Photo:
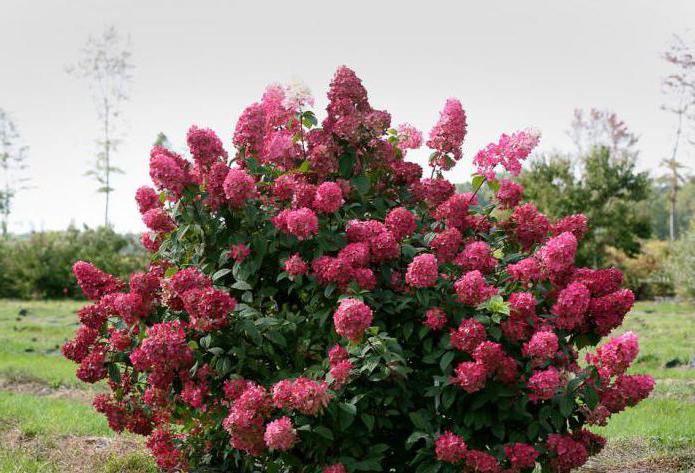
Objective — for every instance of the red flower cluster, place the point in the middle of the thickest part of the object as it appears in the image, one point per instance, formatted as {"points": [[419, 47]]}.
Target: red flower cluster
{"points": [[453, 326]]}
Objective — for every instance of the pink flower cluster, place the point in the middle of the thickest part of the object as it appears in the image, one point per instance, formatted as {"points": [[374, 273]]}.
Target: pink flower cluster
{"points": [[509, 151], [352, 318], [448, 134]]}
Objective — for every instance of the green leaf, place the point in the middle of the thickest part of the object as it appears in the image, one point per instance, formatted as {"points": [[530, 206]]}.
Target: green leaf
{"points": [[324, 432], [242, 286], [368, 421], [446, 360], [361, 183], [477, 181], [346, 414], [221, 273]]}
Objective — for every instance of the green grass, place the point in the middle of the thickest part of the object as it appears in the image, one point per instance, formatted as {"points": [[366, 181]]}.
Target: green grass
{"points": [[654, 418], [41, 415], [661, 427], [30, 343], [131, 463], [13, 461]]}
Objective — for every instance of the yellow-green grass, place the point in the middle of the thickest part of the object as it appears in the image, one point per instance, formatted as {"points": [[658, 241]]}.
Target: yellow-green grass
{"points": [[31, 334], [14, 461], [43, 415], [29, 351]]}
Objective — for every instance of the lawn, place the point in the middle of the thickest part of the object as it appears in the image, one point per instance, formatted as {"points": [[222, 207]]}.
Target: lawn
{"points": [[48, 425]]}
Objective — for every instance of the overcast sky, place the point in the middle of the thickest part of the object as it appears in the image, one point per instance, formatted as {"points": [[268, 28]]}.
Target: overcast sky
{"points": [[513, 64]]}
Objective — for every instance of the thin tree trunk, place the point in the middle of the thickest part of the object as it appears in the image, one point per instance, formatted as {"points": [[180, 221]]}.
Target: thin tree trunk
{"points": [[107, 146], [674, 184], [672, 225]]}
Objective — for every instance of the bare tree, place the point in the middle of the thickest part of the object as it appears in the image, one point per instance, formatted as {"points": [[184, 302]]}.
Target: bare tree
{"points": [[105, 65], [679, 89], [673, 180], [601, 128], [13, 156]]}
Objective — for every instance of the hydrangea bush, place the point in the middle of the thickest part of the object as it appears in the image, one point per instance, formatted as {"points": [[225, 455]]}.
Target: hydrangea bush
{"points": [[315, 305]]}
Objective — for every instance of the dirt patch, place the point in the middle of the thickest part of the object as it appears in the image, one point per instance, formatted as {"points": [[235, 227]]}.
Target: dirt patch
{"points": [[640, 456], [73, 454], [38, 388]]}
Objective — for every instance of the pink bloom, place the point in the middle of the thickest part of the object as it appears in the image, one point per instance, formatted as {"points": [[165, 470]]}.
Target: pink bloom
{"points": [[165, 452], [531, 226], [409, 137], [158, 220], [508, 152], [510, 193], [526, 270], [384, 247], [446, 244], [558, 253], [521, 455], [617, 354], [476, 256], [472, 289], [542, 346], [575, 224], [302, 223], [337, 468], [147, 199], [356, 254], [364, 230], [600, 282], [340, 372], [543, 384], [205, 146], [435, 318], [571, 306], [215, 185], [280, 434], [607, 312], [352, 318], [283, 187], [337, 354], [168, 170], [239, 252], [78, 348], [569, 454], [239, 187], [471, 376], [406, 172], [304, 395], [489, 354], [481, 462], [329, 198], [450, 448], [295, 265], [433, 191], [401, 222], [164, 351], [468, 335], [454, 210], [150, 241], [208, 308], [364, 277], [422, 271], [94, 282], [448, 134], [280, 149], [250, 129]]}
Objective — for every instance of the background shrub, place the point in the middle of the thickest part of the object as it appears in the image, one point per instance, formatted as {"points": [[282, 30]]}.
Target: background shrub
{"points": [[38, 265]]}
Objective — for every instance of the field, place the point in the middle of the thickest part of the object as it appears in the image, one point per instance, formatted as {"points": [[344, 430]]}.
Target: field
{"points": [[48, 425]]}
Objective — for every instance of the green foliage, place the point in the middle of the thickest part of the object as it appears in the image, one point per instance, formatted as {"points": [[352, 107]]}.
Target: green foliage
{"points": [[605, 187], [39, 265], [681, 264], [645, 273]]}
